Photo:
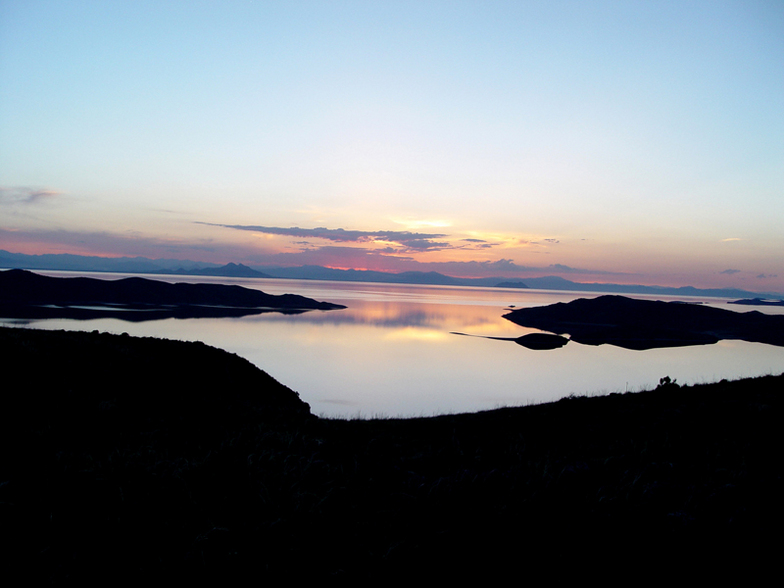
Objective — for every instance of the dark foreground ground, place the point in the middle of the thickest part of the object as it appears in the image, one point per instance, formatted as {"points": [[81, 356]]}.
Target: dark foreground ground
{"points": [[139, 459]]}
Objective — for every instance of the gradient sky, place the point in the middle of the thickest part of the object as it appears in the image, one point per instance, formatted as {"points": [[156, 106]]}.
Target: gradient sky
{"points": [[628, 142]]}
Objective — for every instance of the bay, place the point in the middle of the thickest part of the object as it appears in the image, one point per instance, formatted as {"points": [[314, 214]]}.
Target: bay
{"points": [[392, 351]]}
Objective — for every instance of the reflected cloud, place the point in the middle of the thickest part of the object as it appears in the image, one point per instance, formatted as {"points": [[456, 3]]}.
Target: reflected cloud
{"points": [[417, 334], [436, 317]]}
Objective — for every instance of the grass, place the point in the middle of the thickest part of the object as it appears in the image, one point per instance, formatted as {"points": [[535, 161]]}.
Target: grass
{"points": [[133, 458]]}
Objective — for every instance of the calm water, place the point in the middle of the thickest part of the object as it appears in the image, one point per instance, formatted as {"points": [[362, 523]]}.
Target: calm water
{"points": [[390, 353]]}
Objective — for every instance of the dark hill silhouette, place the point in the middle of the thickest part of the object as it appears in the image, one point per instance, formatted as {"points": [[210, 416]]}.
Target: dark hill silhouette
{"points": [[230, 270], [128, 458], [63, 261], [758, 302], [25, 294], [647, 324]]}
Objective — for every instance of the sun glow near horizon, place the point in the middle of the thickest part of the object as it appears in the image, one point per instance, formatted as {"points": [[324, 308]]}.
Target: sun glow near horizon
{"points": [[597, 141]]}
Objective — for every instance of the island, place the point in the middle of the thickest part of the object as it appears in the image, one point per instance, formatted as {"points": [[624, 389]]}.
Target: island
{"points": [[24, 294], [648, 324], [533, 341], [758, 302]]}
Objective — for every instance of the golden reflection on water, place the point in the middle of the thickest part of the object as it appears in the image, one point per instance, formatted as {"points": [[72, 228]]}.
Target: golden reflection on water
{"points": [[408, 333]]}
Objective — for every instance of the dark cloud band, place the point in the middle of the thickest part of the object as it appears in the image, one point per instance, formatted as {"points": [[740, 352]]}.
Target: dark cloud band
{"points": [[416, 241], [25, 195]]}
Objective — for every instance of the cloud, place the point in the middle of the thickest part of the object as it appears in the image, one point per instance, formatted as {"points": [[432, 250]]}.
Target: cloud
{"points": [[406, 239], [388, 259], [731, 239], [766, 276], [729, 272], [382, 261], [98, 243], [21, 195], [475, 244]]}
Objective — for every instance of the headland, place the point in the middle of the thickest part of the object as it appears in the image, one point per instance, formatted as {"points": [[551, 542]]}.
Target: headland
{"points": [[24, 294]]}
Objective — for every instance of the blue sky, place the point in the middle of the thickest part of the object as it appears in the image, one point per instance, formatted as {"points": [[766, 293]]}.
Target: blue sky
{"points": [[638, 140]]}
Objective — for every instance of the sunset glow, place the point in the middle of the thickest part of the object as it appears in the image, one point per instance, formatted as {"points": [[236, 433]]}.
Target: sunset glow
{"points": [[624, 142]]}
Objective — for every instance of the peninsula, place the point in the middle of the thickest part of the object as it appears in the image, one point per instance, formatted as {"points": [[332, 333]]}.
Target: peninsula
{"points": [[648, 324], [24, 294]]}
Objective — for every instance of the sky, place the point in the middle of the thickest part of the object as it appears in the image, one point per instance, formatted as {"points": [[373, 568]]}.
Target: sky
{"points": [[626, 142]]}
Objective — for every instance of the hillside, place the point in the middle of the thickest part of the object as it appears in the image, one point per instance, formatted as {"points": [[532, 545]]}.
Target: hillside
{"points": [[136, 458]]}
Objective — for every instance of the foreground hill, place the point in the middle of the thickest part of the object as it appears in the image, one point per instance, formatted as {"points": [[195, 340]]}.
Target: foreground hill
{"points": [[136, 458]]}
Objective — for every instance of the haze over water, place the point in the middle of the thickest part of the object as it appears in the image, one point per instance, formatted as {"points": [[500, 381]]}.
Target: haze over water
{"points": [[392, 351]]}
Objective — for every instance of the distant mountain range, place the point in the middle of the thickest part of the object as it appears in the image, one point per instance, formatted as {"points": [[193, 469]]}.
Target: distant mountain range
{"points": [[230, 270], [144, 265]]}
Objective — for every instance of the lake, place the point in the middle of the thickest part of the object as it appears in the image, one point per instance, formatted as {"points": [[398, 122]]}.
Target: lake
{"points": [[392, 351]]}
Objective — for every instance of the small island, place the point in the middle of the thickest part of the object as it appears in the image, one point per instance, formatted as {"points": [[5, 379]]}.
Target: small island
{"points": [[649, 324], [758, 302], [24, 294]]}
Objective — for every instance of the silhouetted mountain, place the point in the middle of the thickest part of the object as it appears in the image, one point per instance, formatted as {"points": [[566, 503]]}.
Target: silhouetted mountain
{"points": [[648, 324], [230, 270], [131, 458], [25, 294], [69, 262], [317, 272], [558, 283], [314, 272]]}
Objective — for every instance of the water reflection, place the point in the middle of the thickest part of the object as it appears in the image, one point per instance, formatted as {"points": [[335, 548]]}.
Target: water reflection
{"points": [[401, 314], [390, 352]]}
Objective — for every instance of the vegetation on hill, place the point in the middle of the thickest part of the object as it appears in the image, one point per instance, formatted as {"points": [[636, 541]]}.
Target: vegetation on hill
{"points": [[136, 458]]}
